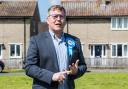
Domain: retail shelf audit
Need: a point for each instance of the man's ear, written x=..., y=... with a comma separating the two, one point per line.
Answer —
x=47, y=20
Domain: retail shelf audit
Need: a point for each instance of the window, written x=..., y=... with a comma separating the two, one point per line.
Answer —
x=92, y=50
x=0, y=51
x=113, y=50
x=104, y=50
x=119, y=50
x=15, y=50
x=82, y=46
x=98, y=50
x=119, y=23
x=125, y=50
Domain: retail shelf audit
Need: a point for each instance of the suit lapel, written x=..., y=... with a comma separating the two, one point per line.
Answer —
x=69, y=56
x=51, y=49
x=72, y=58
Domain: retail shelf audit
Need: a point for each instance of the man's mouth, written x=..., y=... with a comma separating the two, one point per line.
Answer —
x=58, y=24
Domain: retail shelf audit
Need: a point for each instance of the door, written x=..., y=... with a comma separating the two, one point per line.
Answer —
x=98, y=51
x=98, y=54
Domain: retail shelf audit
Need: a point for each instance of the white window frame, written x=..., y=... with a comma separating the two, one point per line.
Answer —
x=104, y=56
x=15, y=56
x=127, y=51
x=116, y=23
x=123, y=56
x=82, y=46
x=93, y=52
x=1, y=56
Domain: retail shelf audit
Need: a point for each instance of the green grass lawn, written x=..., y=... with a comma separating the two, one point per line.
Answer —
x=88, y=81
x=103, y=81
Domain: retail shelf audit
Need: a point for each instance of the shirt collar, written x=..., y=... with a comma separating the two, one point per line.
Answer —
x=62, y=39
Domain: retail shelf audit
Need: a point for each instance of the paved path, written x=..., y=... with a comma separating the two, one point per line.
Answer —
x=108, y=70
x=89, y=70
x=12, y=74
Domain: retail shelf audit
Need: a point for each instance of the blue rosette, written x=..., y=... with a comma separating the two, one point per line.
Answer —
x=70, y=44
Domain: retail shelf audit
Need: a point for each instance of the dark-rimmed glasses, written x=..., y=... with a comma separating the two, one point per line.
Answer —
x=55, y=16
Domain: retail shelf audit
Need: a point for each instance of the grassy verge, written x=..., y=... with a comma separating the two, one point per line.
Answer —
x=88, y=81
x=103, y=81
x=13, y=70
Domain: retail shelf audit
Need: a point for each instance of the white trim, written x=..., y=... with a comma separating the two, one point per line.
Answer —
x=102, y=51
x=111, y=50
x=104, y=56
x=119, y=43
x=122, y=50
x=1, y=56
x=82, y=46
x=116, y=23
x=93, y=47
x=16, y=43
x=20, y=44
x=127, y=50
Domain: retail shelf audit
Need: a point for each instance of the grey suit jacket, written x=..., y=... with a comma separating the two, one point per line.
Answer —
x=41, y=62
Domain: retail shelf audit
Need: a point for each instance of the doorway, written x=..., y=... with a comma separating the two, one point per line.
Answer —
x=98, y=51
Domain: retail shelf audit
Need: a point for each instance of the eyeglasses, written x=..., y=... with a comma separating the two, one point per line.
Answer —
x=55, y=16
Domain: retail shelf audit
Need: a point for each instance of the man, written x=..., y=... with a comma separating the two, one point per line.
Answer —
x=54, y=58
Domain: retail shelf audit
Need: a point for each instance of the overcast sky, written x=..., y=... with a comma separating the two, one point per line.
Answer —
x=44, y=5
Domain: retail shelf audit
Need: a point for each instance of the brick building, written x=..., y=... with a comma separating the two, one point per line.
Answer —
x=15, y=19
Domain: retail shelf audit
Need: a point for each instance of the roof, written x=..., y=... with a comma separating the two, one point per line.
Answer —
x=17, y=7
x=96, y=7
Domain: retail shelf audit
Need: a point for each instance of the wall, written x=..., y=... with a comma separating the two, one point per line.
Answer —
x=12, y=31
x=95, y=31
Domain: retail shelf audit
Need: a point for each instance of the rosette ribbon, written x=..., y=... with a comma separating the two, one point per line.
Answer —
x=70, y=44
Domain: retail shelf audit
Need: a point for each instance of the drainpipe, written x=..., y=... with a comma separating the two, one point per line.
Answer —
x=24, y=40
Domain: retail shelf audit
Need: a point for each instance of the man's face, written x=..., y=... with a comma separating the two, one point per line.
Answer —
x=56, y=20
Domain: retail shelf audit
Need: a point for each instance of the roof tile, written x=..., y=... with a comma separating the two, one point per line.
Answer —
x=96, y=8
x=17, y=7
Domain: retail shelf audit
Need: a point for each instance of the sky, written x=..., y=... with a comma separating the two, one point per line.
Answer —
x=44, y=5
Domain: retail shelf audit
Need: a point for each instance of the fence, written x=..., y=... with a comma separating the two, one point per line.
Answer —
x=91, y=62
x=107, y=62
x=13, y=63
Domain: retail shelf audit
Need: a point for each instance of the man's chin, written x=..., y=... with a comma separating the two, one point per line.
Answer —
x=59, y=29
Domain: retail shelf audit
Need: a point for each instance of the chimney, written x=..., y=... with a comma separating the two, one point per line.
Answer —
x=1, y=2
x=106, y=2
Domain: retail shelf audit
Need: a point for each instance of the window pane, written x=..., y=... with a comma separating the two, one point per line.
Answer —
x=91, y=50
x=17, y=50
x=12, y=50
x=0, y=50
x=104, y=50
x=125, y=22
x=113, y=50
x=119, y=22
x=125, y=50
x=119, y=50
x=114, y=23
